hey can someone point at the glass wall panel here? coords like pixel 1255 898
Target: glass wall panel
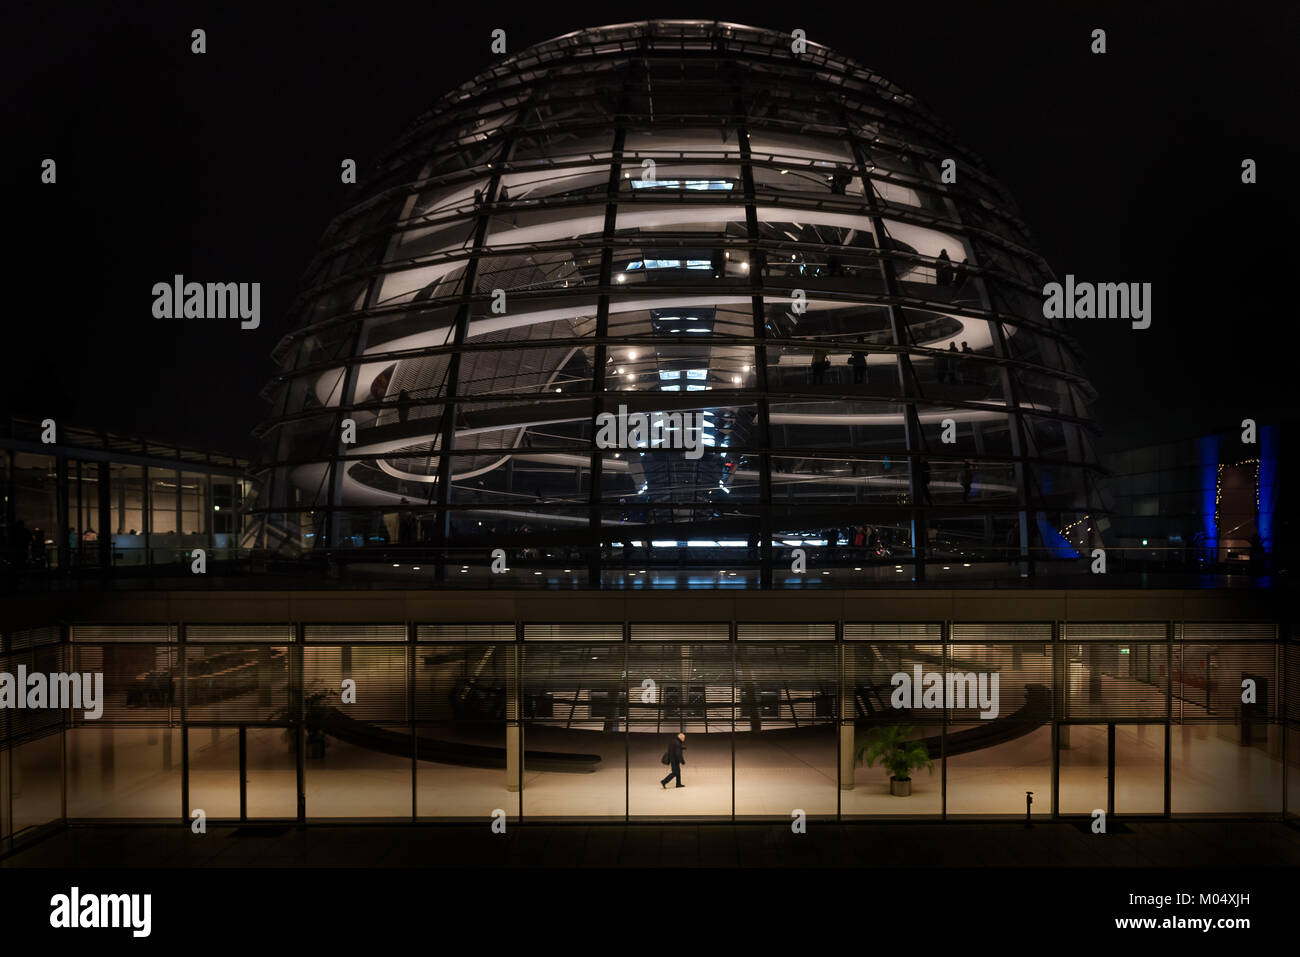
pixel 999 742
pixel 379 673
pixel 869 680
pixel 357 755
pixel 786 741
pixel 460 707
pixel 117 772
pixel 1212 681
pixel 461 771
pixel 45 659
pixel 1139 769
pixel 871 793
pixel 234 682
pixel 227 499
pixel 83 512
pixel 127 512
pixel 1293 771
pixel 575 729
pixel 139 680
pixel 360 776
pixel 214 773
pixel 1114 680
pixel 162 504
pixel 271 773
pixel 1083 756
pixel 1226 769
pixel 690 691
pixel 993 779
pixel 35 507
pixel 762 719
pixel 36 782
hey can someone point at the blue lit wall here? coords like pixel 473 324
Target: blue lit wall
pixel 1209 466
pixel 1270 437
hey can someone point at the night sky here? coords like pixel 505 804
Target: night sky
pixel 225 167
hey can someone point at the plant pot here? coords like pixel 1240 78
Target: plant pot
pixel 900 787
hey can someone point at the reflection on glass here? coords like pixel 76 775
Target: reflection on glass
pixel 272 774
pixel 214 772
pixel 116 772
pixel 1083 774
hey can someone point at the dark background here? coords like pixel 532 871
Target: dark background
pixel 225 167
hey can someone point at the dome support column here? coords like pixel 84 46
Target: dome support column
pixel 447 442
pixel 1016 419
pixel 909 389
pixel 601 357
pixel 760 354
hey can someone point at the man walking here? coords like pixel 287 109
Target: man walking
pixel 676 745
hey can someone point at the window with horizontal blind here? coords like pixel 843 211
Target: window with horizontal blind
pixel 380 674
pixel 577 684
pixel 997 753
pixel 463 682
pixel 152 634
pixel 996 632
pixel 34 722
pixel 587 631
pixel 818 631
pixel 889 631
pixel 198 634
pixel 1210 681
pixel 785 684
pixel 1115 631
pixel 1216 631
pixel 235 682
pixel 869 669
pixel 32 637
pixel 681 632
pixel 1024 685
pixel 1110 681
pixel 691 686
pixel 139 681
pixel 351 633
pixel 471 632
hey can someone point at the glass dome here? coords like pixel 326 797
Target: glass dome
pixel 668 304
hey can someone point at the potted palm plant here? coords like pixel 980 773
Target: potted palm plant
pixel 900 757
pixel 316 712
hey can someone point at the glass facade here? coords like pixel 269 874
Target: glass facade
pixel 555 721
pixel 99 500
pixel 838 353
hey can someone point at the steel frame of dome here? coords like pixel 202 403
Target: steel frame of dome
pixel 676 286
